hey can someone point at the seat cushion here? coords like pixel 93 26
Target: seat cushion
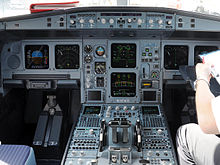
pixel 16 155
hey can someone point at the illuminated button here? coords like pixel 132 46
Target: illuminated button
pixel 151 21
pixel 91 21
pixel 143 54
pixel 149 54
pixel 147 49
pixel 103 21
pixel 111 21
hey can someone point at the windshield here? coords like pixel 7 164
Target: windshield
pixel 20 7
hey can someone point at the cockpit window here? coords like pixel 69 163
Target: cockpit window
pixel 20 7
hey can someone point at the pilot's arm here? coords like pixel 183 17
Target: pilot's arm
pixel 207 106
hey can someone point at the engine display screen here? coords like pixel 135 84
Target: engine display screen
pixel 174 56
pixel 36 56
pixel 123 55
pixel 123 84
pixel 92 110
pixel 67 56
pixel 198 50
pixel 150 110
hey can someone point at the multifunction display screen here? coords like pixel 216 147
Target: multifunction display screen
pixel 67 56
pixel 150 110
pixel 123 84
pixel 36 56
pixel 92 110
pixel 123 55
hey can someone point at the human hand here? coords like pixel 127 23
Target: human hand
pixel 203 71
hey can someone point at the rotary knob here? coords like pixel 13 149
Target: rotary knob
pixel 169 22
pixel 133 108
pixel 72 22
pixel 109 108
pixel 81 21
pixel 160 21
pixel 111 21
pixel 91 131
pixel 125 108
pixel 129 20
pixel 140 21
pixel 117 108
pixel 91 21
pixel 151 21
pixel 103 21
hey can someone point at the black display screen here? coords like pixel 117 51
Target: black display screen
pixel 149 96
pixel 36 56
pixel 94 95
pixel 174 56
pixel 67 56
pixel 123 55
pixel 150 110
pixel 92 110
pixel 123 84
pixel 198 50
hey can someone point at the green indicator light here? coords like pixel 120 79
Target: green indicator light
pixel 149 54
pixel 143 54
pixel 147 49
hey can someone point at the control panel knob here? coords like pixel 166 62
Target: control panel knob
pixel 133 108
pixel 151 21
pixel 160 21
pixel 103 21
pixel 91 131
pixel 129 20
pixel 169 22
pixel 81 21
pixel 82 153
pixel 80 161
pixel 159 131
pixel 74 153
pixel 125 108
pixel 140 21
pixel 117 108
pixel 109 108
pixel 70 162
pixel 111 21
pixel 91 21
pixel 150 153
pixel 72 22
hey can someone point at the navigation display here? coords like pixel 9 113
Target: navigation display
pixel 123 84
pixel 36 56
pixel 92 109
pixel 67 56
pixel 123 55
pixel 174 56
